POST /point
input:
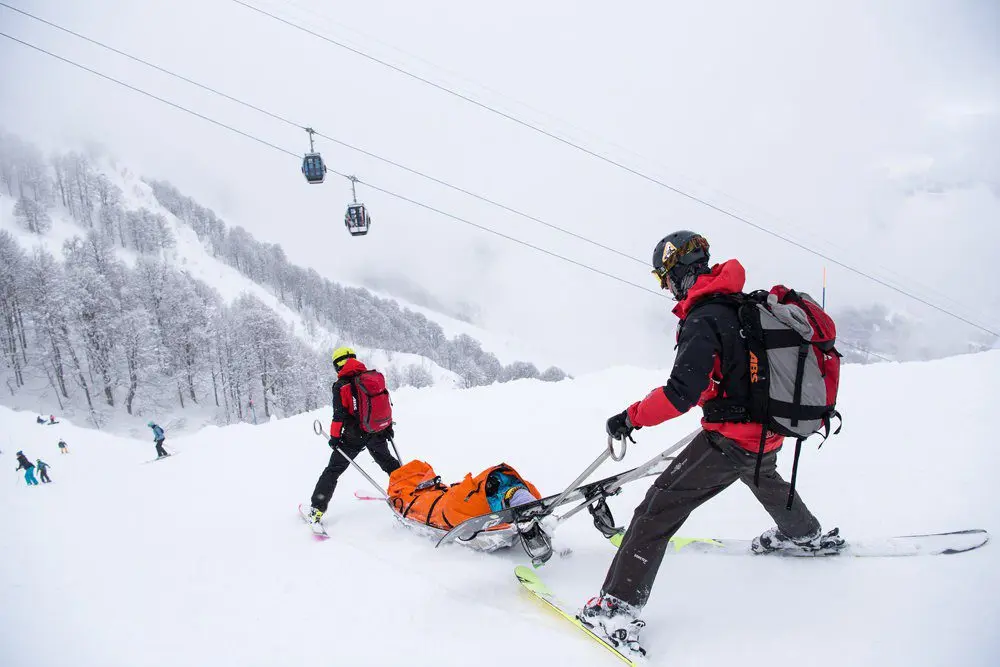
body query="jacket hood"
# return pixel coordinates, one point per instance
(351, 367)
(726, 278)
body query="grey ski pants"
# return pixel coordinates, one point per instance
(701, 471)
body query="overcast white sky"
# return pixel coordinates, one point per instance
(826, 121)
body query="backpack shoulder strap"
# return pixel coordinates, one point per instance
(735, 300)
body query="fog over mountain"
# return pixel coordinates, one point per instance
(866, 131)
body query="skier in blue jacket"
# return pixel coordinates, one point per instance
(158, 438)
(43, 470)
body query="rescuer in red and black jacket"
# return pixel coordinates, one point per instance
(346, 434)
(711, 362)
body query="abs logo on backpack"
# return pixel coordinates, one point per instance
(374, 407)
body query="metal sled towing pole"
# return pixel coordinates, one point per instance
(637, 473)
(318, 428)
(609, 451)
(536, 542)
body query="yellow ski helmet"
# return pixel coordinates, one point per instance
(341, 355)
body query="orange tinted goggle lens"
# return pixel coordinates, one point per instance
(662, 278)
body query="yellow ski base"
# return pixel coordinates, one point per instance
(536, 587)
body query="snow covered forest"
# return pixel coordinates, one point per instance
(114, 324)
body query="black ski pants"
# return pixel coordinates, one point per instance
(160, 451)
(327, 482)
(701, 471)
(45, 475)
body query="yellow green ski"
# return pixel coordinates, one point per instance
(531, 582)
(677, 543)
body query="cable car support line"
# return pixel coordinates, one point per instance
(609, 160)
(151, 95)
(354, 180)
(282, 119)
(343, 175)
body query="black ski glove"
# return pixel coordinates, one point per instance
(334, 443)
(619, 427)
(389, 433)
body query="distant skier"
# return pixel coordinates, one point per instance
(63, 448)
(29, 469)
(43, 470)
(40, 420)
(52, 419)
(360, 420)
(712, 362)
(158, 438)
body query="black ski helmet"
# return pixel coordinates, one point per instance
(678, 260)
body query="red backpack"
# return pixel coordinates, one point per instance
(374, 406)
(794, 368)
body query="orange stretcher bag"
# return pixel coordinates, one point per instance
(417, 493)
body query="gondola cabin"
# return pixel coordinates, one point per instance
(357, 219)
(313, 168)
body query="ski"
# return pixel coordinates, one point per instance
(160, 458)
(934, 544)
(361, 496)
(533, 584)
(318, 531)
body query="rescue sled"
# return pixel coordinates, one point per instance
(422, 502)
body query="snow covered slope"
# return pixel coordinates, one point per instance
(201, 559)
(190, 255)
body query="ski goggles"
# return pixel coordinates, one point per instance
(662, 276)
(690, 252)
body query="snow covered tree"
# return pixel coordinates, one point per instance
(93, 305)
(415, 375)
(13, 341)
(32, 216)
(553, 374)
(518, 370)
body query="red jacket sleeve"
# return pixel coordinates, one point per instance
(655, 409)
(343, 408)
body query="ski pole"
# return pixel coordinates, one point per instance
(318, 428)
(393, 443)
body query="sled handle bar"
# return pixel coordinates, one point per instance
(319, 430)
(611, 449)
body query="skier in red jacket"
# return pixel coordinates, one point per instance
(347, 434)
(711, 362)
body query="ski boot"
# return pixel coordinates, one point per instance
(774, 540)
(313, 516)
(615, 621)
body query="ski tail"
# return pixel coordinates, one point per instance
(933, 544)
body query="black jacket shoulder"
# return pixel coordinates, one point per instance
(710, 331)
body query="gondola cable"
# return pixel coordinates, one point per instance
(354, 180)
(615, 163)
